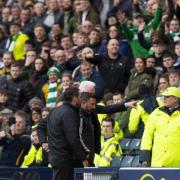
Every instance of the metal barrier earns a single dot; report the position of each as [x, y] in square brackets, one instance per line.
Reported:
[13, 173]
[96, 174]
[127, 174]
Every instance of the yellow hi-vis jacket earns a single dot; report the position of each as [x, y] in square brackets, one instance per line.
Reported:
[109, 149]
[117, 130]
[138, 114]
[162, 137]
[15, 44]
[33, 155]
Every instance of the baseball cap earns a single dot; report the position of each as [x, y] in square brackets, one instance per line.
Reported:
[6, 112]
[172, 91]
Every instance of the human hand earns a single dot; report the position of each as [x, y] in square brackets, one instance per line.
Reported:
[87, 53]
[45, 146]
[85, 163]
[131, 104]
[28, 61]
[141, 27]
[69, 54]
[145, 164]
[13, 131]
[2, 134]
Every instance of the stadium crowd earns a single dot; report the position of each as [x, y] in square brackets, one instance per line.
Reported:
[124, 58]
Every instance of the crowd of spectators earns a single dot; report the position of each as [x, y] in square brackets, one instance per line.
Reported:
[129, 49]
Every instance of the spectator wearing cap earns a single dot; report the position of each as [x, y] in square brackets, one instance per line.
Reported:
[52, 87]
[15, 43]
[161, 139]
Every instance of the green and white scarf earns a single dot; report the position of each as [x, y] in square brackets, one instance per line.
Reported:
[52, 94]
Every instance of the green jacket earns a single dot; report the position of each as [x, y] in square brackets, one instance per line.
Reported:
[135, 80]
[131, 34]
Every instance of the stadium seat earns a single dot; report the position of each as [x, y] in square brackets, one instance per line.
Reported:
[116, 162]
[127, 161]
[135, 162]
[134, 147]
[125, 143]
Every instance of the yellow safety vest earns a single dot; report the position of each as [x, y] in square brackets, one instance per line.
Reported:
[109, 149]
[33, 155]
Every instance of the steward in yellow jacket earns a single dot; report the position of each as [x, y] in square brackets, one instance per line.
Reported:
[117, 130]
[16, 42]
[109, 145]
[161, 137]
[139, 115]
[36, 155]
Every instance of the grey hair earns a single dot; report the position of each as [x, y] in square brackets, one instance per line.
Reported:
[85, 85]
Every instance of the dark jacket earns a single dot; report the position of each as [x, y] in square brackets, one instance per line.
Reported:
[43, 130]
[14, 150]
[90, 134]
[19, 90]
[38, 79]
[114, 72]
[63, 135]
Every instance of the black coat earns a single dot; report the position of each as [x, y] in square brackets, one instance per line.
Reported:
[20, 91]
[63, 136]
[114, 72]
[14, 150]
[91, 140]
[90, 134]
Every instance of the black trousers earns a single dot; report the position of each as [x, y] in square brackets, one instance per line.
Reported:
[65, 172]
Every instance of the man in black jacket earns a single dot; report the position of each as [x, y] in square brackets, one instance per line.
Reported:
[114, 68]
[65, 149]
[89, 129]
[19, 90]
